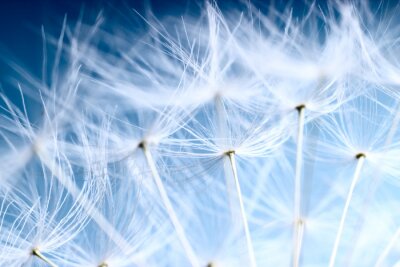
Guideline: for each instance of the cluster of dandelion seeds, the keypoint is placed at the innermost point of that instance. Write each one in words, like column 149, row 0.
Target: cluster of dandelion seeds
column 229, row 137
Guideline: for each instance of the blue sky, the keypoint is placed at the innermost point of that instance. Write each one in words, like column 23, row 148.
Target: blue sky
column 21, row 21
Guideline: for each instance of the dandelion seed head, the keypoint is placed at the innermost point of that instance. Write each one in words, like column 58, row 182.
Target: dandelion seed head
column 233, row 136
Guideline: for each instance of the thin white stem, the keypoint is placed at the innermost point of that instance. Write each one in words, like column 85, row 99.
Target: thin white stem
column 169, row 208
column 298, row 222
column 360, row 161
column 250, row 248
column 388, row 248
column 37, row 253
column 374, row 185
column 299, row 233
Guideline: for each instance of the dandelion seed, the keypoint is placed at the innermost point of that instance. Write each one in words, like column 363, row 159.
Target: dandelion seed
column 360, row 161
column 170, row 210
column 36, row 252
